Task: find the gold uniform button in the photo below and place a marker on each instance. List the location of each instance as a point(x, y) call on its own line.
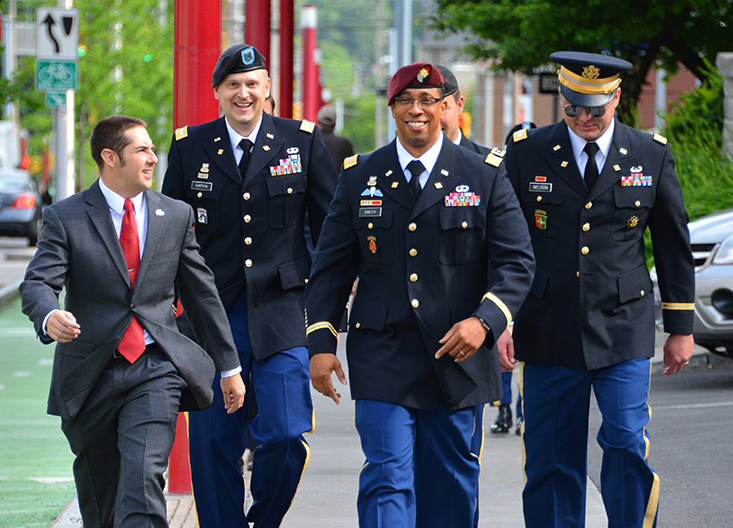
point(247, 219)
point(248, 241)
point(413, 252)
point(290, 190)
point(577, 274)
point(585, 250)
point(358, 325)
point(464, 225)
point(370, 225)
point(412, 226)
point(539, 198)
point(413, 277)
point(637, 203)
point(415, 303)
point(306, 281)
point(199, 195)
point(589, 205)
point(248, 263)
point(246, 196)
point(642, 293)
point(586, 227)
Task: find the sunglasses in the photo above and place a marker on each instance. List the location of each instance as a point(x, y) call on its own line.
point(572, 110)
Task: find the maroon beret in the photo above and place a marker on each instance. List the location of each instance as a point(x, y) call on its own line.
point(415, 75)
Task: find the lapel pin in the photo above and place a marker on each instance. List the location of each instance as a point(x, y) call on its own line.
point(388, 173)
point(270, 136)
point(266, 148)
point(616, 168)
point(217, 139)
point(220, 152)
point(564, 164)
point(623, 151)
point(395, 184)
point(444, 172)
point(159, 212)
point(438, 185)
point(556, 148)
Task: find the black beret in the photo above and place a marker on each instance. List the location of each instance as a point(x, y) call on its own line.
point(238, 58)
point(588, 79)
point(451, 84)
point(415, 75)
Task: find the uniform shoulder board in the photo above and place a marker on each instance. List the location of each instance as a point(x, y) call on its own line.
point(493, 159)
point(351, 161)
point(660, 139)
point(307, 126)
point(181, 132)
point(519, 135)
point(498, 152)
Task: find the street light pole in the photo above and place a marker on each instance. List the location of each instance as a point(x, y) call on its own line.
point(64, 133)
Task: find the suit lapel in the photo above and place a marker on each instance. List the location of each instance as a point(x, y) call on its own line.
point(441, 180)
point(156, 219)
point(392, 180)
point(267, 145)
point(100, 217)
point(618, 156)
point(219, 149)
point(559, 155)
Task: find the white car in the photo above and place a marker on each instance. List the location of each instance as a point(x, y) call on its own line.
point(711, 240)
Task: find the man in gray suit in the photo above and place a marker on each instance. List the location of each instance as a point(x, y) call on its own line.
point(122, 370)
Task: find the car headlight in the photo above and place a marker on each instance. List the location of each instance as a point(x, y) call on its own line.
point(724, 255)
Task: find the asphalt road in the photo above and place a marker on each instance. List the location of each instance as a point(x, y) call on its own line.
point(691, 448)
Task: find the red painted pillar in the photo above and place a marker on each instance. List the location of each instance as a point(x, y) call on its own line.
point(311, 91)
point(287, 32)
point(196, 47)
point(257, 27)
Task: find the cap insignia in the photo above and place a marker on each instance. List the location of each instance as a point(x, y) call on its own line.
point(423, 74)
point(248, 55)
point(591, 72)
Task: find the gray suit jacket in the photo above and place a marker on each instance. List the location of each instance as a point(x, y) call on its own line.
point(79, 251)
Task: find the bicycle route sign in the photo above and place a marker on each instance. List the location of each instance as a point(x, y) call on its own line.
point(56, 76)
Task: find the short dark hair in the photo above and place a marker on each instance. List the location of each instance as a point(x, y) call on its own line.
point(109, 133)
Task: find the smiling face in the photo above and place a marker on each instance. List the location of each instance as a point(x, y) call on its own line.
point(588, 127)
point(418, 127)
point(131, 171)
point(242, 96)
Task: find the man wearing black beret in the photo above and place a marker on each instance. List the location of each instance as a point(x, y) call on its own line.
point(443, 257)
point(589, 187)
point(250, 178)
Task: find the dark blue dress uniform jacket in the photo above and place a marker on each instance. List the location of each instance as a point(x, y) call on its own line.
point(591, 303)
point(252, 232)
point(423, 266)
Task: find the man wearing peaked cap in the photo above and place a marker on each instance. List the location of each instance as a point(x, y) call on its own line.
point(250, 177)
point(589, 187)
point(454, 107)
point(442, 254)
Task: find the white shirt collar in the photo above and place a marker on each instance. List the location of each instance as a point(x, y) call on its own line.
point(603, 142)
point(458, 138)
point(117, 203)
point(428, 159)
point(235, 137)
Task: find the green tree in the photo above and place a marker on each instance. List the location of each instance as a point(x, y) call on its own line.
point(520, 35)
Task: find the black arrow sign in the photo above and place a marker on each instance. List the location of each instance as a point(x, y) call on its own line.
point(50, 22)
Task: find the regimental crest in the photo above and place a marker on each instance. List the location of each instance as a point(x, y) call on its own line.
point(423, 74)
point(540, 219)
point(591, 72)
point(248, 55)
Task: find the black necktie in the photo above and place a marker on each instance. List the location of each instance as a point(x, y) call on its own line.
point(245, 145)
point(591, 169)
point(416, 168)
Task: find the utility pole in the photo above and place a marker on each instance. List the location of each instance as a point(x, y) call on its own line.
point(64, 134)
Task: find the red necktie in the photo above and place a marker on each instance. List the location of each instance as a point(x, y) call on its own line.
point(133, 342)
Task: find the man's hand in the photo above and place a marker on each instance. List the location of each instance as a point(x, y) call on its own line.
point(233, 390)
point(321, 367)
point(62, 327)
point(677, 352)
point(505, 346)
point(463, 339)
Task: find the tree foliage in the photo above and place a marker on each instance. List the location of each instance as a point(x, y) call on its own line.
point(520, 35)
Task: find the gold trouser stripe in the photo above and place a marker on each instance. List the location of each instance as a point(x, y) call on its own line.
point(305, 465)
point(651, 507)
point(521, 393)
point(503, 307)
point(320, 326)
point(678, 306)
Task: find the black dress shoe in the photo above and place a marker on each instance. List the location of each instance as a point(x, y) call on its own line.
point(503, 421)
point(520, 420)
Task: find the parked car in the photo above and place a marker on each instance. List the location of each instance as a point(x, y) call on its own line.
point(711, 239)
point(20, 205)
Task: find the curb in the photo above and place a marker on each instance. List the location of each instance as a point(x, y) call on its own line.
point(9, 292)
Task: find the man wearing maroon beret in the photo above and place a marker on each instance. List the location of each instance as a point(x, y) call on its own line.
point(443, 257)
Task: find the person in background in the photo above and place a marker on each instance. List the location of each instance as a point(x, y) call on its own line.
point(590, 187)
point(251, 177)
point(122, 370)
point(339, 147)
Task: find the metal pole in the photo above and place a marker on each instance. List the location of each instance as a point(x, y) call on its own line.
point(64, 127)
point(287, 30)
point(311, 95)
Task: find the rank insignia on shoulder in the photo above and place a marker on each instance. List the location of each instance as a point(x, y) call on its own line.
point(181, 132)
point(493, 160)
point(351, 161)
point(660, 139)
point(519, 135)
point(307, 126)
point(498, 152)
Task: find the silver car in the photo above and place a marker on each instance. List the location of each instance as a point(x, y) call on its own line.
point(711, 239)
point(20, 205)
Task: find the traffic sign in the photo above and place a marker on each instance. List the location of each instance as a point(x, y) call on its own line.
point(549, 83)
point(56, 76)
point(57, 33)
point(55, 99)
